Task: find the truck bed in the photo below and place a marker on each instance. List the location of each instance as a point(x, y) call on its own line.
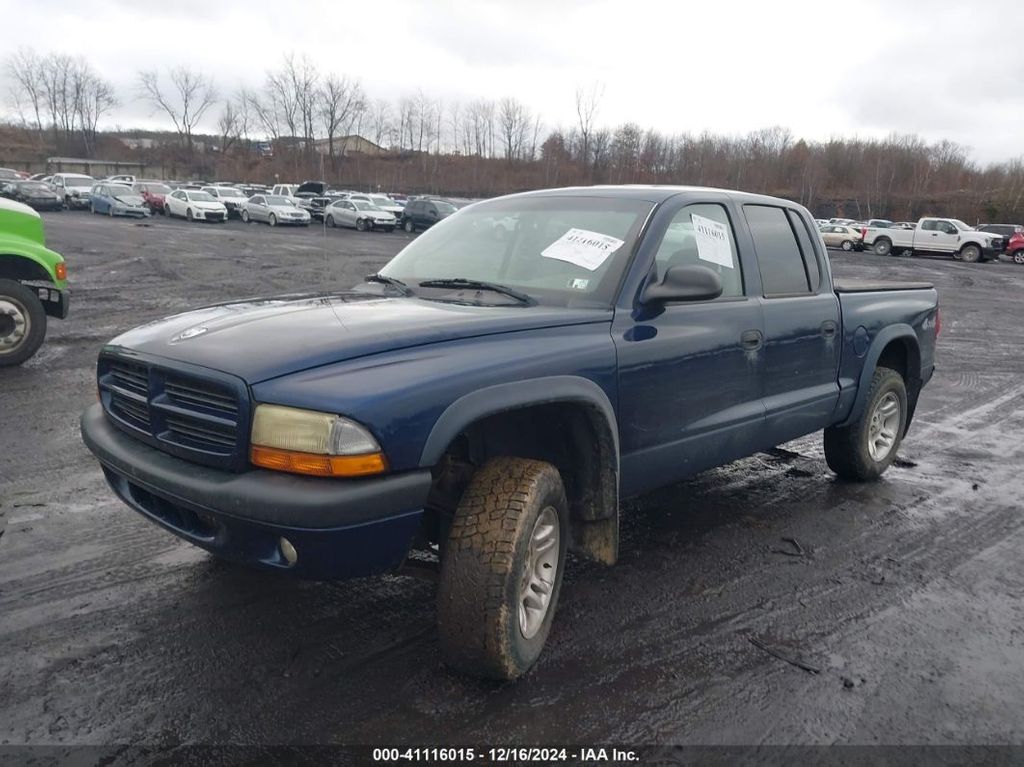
point(872, 286)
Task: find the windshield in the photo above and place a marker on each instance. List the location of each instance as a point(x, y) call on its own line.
point(278, 200)
point(360, 205)
point(444, 207)
point(33, 186)
point(201, 197)
point(79, 180)
point(961, 225)
point(229, 191)
point(121, 191)
point(382, 201)
point(559, 250)
point(157, 188)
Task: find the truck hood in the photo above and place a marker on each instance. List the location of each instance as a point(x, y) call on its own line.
point(264, 338)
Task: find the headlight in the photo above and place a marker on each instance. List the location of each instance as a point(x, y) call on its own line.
point(309, 442)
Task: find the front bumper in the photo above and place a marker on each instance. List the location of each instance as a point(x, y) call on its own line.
point(340, 529)
point(74, 202)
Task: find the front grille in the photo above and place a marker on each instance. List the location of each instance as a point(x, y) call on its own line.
point(196, 414)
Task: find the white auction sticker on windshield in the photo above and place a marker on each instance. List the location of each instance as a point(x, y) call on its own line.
point(583, 248)
point(712, 241)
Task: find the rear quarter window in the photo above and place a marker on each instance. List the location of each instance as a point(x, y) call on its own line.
point(779, 258)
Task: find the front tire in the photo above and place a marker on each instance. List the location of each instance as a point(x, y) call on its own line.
point(188, 215)
point(22, 323)
point(272, 220)
point(502, 568)
point(245, 217)
point(847, 245)
point(330, 221)
point(361, 224)
point(1018, 257)
point(970, 253)
point(863, 450)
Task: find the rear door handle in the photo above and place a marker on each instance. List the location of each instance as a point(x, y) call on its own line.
point(829, 328)
point(751, 339)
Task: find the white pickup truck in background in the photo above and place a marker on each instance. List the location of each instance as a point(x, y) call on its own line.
point(936, 235)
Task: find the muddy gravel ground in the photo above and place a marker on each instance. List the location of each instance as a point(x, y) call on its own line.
point(906, 599)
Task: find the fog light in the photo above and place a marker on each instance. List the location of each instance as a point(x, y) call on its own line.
point(291, 556)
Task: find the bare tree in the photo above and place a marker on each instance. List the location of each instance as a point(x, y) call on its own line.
point(93, 98)
point(25, 68)
point(381, 126)
point(190, 95)
point(587, 104)
point(235, 121)
point(514, 119)
point(341, 102)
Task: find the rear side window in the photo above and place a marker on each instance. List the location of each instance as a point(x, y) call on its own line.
point(803, 236)
point(778, 256)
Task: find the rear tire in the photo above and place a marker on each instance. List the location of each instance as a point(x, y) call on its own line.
point(502, 568)
point(22, 323)
point(882, 247)
point(863, 450)
point(410, 227)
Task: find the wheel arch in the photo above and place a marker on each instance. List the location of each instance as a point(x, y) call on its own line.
point(896, 347)
point(565, 420)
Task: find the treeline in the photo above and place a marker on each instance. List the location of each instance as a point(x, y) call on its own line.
point(490, 146)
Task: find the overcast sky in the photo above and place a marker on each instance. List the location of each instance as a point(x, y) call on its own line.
point(940, 69)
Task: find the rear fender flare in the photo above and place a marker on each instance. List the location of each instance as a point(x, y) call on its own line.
point(889, 334)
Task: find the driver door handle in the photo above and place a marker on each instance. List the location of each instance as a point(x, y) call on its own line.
point(751, 339)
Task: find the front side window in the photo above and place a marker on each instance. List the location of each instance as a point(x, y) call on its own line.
point(778, 256)
point(702, 235)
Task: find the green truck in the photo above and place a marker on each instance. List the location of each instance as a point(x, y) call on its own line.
point(33, 283)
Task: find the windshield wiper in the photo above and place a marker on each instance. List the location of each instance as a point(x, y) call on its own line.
point(398, 285)
point(461, 282)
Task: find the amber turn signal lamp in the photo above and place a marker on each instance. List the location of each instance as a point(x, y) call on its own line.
point(317, 465)
point(61, 270)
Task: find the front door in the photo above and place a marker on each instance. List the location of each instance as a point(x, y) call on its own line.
point(690, 373)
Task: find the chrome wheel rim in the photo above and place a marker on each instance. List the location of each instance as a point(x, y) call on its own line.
point(15, 324)
point(538, 581)
point(884, 426)
point(1019, 256)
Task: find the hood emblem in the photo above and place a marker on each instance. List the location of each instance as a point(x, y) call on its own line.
point(189, 333)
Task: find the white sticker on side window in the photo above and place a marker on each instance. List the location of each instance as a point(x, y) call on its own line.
point(712, 241)
point(583, 248)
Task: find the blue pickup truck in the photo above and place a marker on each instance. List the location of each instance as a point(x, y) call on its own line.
point(484, 402)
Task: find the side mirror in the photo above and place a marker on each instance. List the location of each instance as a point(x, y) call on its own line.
point(684, 283)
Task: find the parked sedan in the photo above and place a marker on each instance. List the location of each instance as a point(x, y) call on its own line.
point(117, 200)
point(232, 198)
point(74, 188)
point(155, 194)
point(840, 236)
point(274, 209)
point(359, 215)
point(195, 205)
point(35, 194)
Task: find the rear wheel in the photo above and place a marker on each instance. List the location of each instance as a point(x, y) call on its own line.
point(864, 449)
point(883, 247)
point(22, 323)
point(410, 227)
point(502, 568)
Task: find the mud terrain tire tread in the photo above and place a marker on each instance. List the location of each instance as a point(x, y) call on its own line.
point(477, 600)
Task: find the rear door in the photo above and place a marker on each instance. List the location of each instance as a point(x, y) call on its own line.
point(690, 372)
point(801, 320)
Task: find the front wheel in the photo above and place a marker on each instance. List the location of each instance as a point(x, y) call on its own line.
point(22, 323)
point(272, 220)
point(502, 568)
point(362, 224)
point(188, 215)
point(1018, 257)
point(330, 221)
point(863, 450)
point(847, 246)
point(970, 253)
point(245, 217)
